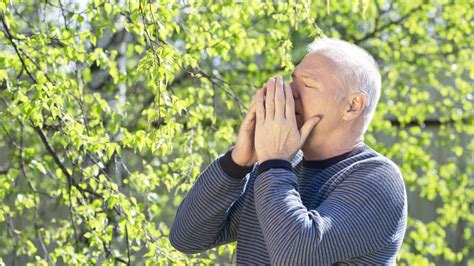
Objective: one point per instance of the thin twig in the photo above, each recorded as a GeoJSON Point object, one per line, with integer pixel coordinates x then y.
{"type": "Point", "coordinates": [10, 38]}
{"type": "Point", "coordinates": [128, 244]}
{"type": "Point", "coordinates": [64, 15]}
{"type": "Point", "coordinates": [386, 25]}
{"type": "Point", "coordinates": [11, 232]}
{"type": "Point", "coordinates": [43, 246]}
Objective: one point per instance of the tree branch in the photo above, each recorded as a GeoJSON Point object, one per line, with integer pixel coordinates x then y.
{"type": "Point", "coordinates": [40, 132]}
{"type": "Point", "coordinates": [128, 244]}
{"type": "Point", "coordinates": [386, 25]}
{"type": "Point", "coordinates": [66, 24]}
{"type": "Point", "coordinates": [108, 253]}
{"type": "Point", "coordinates": [11, 232]}
{"type": "Point", "coordinates": [43, 246]}
{"type": "Point", "coordinates": [10, 38]}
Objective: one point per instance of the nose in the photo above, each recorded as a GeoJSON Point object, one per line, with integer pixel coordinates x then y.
{"type": "Point", "coordinates": [294, 89]}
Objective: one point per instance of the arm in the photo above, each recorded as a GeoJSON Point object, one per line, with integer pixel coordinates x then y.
{"type": "Point", "coordinates": [209, 214]}
{"type": "Point", "coordinates": [360, 216]}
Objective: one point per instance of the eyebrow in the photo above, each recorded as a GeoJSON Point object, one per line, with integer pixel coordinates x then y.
{"type": "Point", "coordinates": [305, 76]}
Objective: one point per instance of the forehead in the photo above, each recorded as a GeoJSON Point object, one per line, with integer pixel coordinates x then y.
{"type": "Point", "coordinates": [315, 65]}
{"type": "Point", "coordinates": [318, 67]}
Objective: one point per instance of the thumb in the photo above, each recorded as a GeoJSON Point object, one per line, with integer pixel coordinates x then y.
{"type": "Point", "coordinates": [308, 127]}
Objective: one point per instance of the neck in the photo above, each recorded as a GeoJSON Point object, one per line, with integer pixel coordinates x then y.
{"type": "Point", "coordinates": [330, 147]}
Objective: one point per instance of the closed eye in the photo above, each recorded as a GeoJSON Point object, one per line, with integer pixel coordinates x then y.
{"type": "Point", "coordinates": [313, 87]}
{"type": "Point", "coordinates": [293, 76]}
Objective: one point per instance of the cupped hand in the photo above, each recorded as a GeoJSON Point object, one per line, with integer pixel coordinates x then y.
{"type": "Point", "coordinates": [244, 153]}
{"type": "Point", "coordinates": [276, 131]}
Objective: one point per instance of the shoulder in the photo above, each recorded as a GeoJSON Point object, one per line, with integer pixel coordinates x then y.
{"type": "Point", "coordinates": [373, 166]}
{"type": "Point", "coordinates": [375, 184]}
{"type": "Point", "coordinates": [381, 184]}
{"type": "Point", "coordinates": [378, 178]}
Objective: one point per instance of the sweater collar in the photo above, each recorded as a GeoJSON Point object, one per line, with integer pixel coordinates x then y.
{"type": "Point", "coordinates": [323, 164]}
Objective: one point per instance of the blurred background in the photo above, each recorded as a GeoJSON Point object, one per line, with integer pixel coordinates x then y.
{"type": "Point", "coordinates": [109, 110]}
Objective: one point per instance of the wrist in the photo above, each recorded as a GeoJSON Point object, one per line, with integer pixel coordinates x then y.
{"type": "Point", "coordinates": [274, 163]}
{"type": "Point", "coordinates": [239, 162]}
{"type": "Point", "coordinates": [269, 158]}
{"type": "Point", "coordinates": [231, 168]}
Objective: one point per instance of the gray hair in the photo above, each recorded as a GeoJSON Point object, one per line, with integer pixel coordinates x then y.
{"type": "Point", "coordinates": [358, 69]}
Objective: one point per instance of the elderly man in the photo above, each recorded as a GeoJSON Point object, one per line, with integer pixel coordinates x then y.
{"type": "Point", "coordinates": [300, 187]}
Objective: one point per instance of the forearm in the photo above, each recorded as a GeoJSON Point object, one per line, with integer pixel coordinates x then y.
{"type": "Point", "coordinates": [291, 232]}
{"type": "Point", "coordinates": [203, 218]}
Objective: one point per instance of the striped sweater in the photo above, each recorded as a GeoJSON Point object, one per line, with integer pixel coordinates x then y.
{"type": "Point", "coordinates": [348, 209]}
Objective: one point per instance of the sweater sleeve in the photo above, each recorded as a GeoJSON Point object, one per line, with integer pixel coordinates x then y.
{"type": "Point", "coordinates": [361, 215]}
{"type": "Point", "coordinates": [209, 214]}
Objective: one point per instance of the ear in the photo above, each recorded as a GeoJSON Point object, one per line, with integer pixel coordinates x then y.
{"type": "Point", "coordinates": [355, 106]}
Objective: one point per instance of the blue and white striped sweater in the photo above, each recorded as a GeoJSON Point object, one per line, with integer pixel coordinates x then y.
{"type": "Point", "coordinates": [353, 211]}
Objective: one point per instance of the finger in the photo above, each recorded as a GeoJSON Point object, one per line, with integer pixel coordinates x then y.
{"type": "Point", "coordinates": [251, 112]}
{"type": "Point", "coordinates": [259, 108]}
{"type": "Point", "coordinates": [290, 104]}
{"type": "Point", "coordinates": [279, 98]}
{"type": "Point", "coordinates": [253, 103]}
{"type": "Point", "coordinates": [249, 121]}
{"type": "Point", "coordinates": [270, 100]}
{"type": "Point", "coordinates": [307, 128]}
{"type": "Point", "coordinates": [253, 108]}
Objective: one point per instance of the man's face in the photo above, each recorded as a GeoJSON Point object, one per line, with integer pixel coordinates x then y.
{"type": "Point", "coordinates": [315, 84]}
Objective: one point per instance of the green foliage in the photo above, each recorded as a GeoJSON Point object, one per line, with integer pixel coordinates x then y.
{"type": "Point", "coordinates": [109, 111]}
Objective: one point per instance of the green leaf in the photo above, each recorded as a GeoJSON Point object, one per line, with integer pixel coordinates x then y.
{"type": "Point", "coordinates": [93, 39]}
{"type": "Point", "coordinates": [108, 8]}
{"type": "Point", "coordinates": [3, 75]}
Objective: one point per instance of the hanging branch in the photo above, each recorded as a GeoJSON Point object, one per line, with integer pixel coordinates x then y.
{"type": "Point", "coordinates": [39, 130]}
{"type": "Point", "coordinates": [128, 244]}
{"type": "Point", "coordinates": [10, 38]}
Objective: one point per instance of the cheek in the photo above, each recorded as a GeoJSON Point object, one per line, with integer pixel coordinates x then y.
{"type": "Point", "coordinates": [322, 102]}
{"type": "Point", "coordinates": [318, 105]}
{"type": "Point", "coordinates": [299, 121]}
{"type": "Point", "coordinates": [313, 106]}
